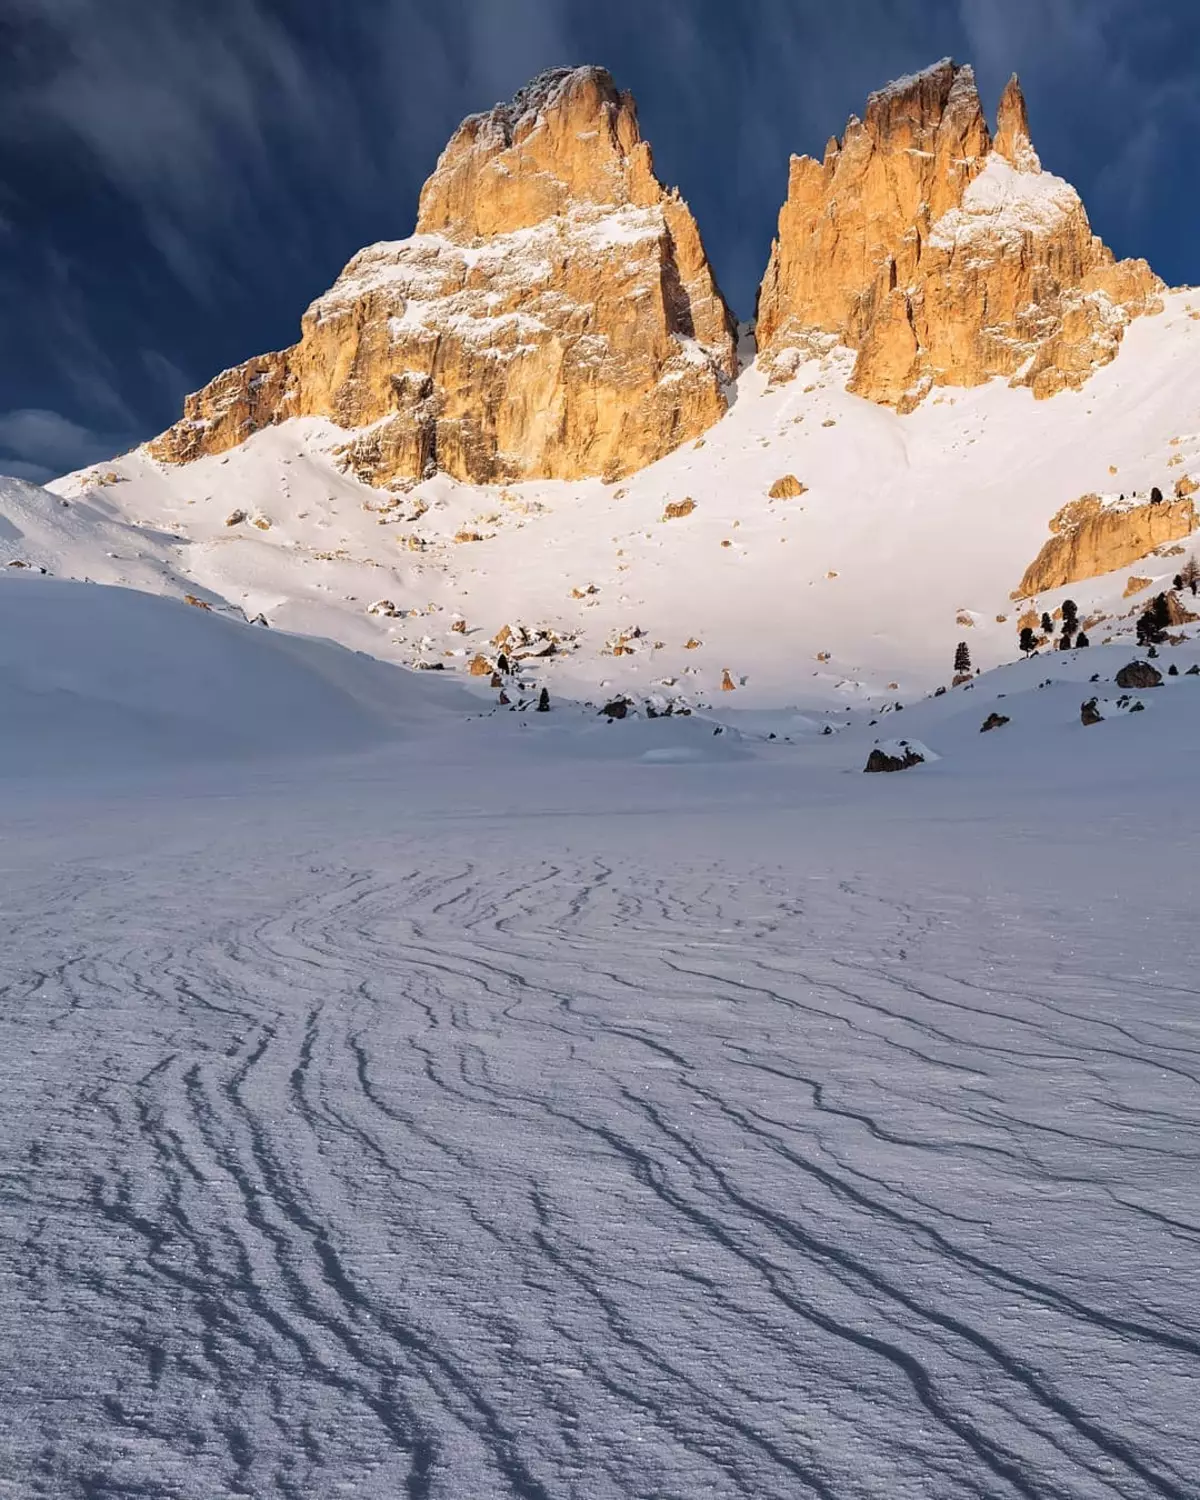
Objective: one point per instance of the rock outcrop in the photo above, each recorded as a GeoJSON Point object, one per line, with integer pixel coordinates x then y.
{"type": "Point", "coordinates": [554, 316]}
{"type": "Point", "coordinates": [942, 256]}
{"type": "Point", "coordinates": [1096, 535]}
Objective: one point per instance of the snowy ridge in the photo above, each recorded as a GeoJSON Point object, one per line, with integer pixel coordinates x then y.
{"type": "Point", "coordinates": [1006, 204]}
{"type": "Point", "coordinates": [906, 524]}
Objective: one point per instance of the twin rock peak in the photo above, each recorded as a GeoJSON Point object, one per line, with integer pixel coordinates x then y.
{"type": "Point", "coordinates": [555, 315]}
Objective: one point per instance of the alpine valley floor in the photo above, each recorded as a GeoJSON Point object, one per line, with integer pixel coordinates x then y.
{"type": "Point", "coordinates": [540, 1107]}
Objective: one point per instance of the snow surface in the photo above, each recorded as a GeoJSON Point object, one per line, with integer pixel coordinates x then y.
{"type": "Point", "coordinates": [1005, 204]}
{"type": "Point", "coordinates": [511, 1111]}
{"type": "Point", "coordinates": [404, 1096]}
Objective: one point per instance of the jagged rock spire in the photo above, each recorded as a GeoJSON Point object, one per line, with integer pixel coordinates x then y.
{"type": "Point", "coordinates": [940, 258]}
{"type": "Point", "coordinates": [1012, 129]}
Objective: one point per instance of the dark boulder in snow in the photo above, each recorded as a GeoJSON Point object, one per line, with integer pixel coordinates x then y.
{"type": "Point", "coordinates": [881, 761]}
{"type": "Point", "coordinates": [994, 721]}
{"type": "Point", "coordinates": [1139, 674]}
{"type": "Point", "coordinates": [1089, 712]}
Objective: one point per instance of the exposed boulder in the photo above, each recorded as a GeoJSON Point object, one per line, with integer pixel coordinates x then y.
{"type": "Point", "coordinates": [677, 509]}
{"type": "Point", "coordinates": [1089, 712]}
{"type": "Point", "coordinates": [788, 488]}
{"type": "Point", "coordinates": [994, 721]}
{"type": "Point", "coordinates": [880, 760]}
{"type": "Point", "coordinates": [942, 257]}
{"type": "Point", "coordinates": [1139, 674]}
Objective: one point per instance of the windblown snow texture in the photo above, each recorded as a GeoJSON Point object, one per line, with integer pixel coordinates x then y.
{"type": "Point", "coordinates": [359, 1144]}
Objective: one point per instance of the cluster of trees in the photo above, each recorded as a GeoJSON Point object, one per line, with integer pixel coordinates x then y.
{"type": "Point", "coordinates": [1153, 625]}
{"type": "Point", "coordinates": [1073, 638]}
{"type": "Point", "coordinates": [1188, 576]}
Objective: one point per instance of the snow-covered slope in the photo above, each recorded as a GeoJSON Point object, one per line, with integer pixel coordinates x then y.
{"type": "Point", "coordinates": [102, 679]}
{"type": "Point", "coordinates": [909, 528]}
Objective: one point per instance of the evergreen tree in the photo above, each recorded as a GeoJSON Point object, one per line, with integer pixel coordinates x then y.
{"type": "Point", "coordinates": [1190, 575]}
{"type": "Point", "coordinates": [1070, 616]}
{"type": "Point", "coordinates": [543, 706]}
{"type": "Point", "coordinates": [962, 658]}
{"type": "Point", "coordinates": [1177, 581]}
{"type": "Point", "coordinates": [1047, 624]}
{"type": "Point", "coordinates": [1156, 496]}
{"type": "Point", "coordinates": [1065, 643]}
{"type": "Point", "coordinates": [1162, 612]}
{"type": "Point", "coordinates": [1028, 641]}
{"type": "Point", "coordinates": [1082, 643]}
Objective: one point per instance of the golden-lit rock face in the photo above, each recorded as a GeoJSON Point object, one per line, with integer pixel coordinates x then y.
{"type": "Point", "coordinates": [554, 316]}
{"type": "Point", "coordinates": [1091, 537]}
{"type": "Point", "coordinates": [942, 257]}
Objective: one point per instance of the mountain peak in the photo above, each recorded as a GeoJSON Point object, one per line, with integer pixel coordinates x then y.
{"type": "Point", "coordinates": [569, 137]}
{"type": "Point", "coordinates": [940, 257]}
{"type": "Point", "coordinates": [554, 316]}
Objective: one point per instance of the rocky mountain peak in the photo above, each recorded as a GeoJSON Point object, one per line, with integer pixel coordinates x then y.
{"type": "Point", "coordinates": [940, 257]}
{"type": "Point", "coordinates": [570, 137]}
{"type": "Point", "coordinates": [554, 316]}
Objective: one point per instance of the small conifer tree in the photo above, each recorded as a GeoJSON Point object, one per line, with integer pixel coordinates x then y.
{"type": "Point", "coordinates": [1070, 616]}
{"type": "Point", "coordinates": [1082, 643]}
{"type": "Point", "coordinates": [1028, 640]}
{"type": "Point", "coordinates": [543, 706]}
{"type": "Point", "coordinates": [1047, 624]}
{"type": "Point", "coordinates": [962, 658]}
{"type": "Point", "coordinates": [1156, 496]}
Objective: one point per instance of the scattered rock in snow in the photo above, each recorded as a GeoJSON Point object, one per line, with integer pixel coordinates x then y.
{"type": "Point", "coordinates": [1135, 585]}
{"type": "Point", "coordinates": [677, 509]}
{"type": "Point", "coordinates": [1089, 712]}
{"type": "Point", "coordinates": [788, 488]}
{"type": "Point", "coordinates": [727, 683]}
{"type": "Point", "coordinates": [617, 709]}
{"type": "Point", "coordinates": [235, 518]}
{"type": "Point", "coordinates": [994, 721]}
{"type": "Point", "coordinates": [1139, 674]}
{"type": "Point", "coordinates": [905, 759]}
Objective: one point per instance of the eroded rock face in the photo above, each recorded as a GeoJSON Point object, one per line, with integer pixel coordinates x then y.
{"type": "Point", "coordinates": [554, 316]}
{"type": "Point", "coordinates": [1094, 535]}
{"type": "Point", "coordinates": [941, 256]}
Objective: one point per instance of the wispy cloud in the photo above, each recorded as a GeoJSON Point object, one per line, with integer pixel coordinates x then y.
{"type": "Point", "coordinates": [45, 443]}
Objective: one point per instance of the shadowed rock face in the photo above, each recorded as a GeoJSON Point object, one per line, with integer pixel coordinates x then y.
{"type": "Point", "coordinates": [554, 316]}
{"type": "Point", "coordinates": [942, 257]}
{"type": "Point", "coordinates": [1091, 537]}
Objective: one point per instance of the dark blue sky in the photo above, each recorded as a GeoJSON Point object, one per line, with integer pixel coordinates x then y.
{"type": "Point", "coordinates": [178, 178]}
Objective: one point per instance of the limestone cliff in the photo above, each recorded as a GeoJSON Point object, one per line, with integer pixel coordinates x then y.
{"type": "Point", "coordinates": [554, 316]}
{"type": "Point", "coordinates": [941, 256]}
{"type": "Point", "coordinates": [1093, 536]}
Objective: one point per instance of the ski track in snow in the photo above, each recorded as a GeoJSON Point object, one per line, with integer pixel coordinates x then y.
{"type": "Point", "coordinates": [454, 1175]}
